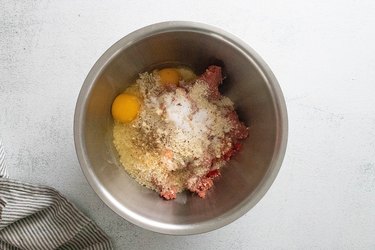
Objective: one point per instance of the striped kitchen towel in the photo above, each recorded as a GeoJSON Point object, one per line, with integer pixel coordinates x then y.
{"type": "Point", "coordinates": [39, 217]}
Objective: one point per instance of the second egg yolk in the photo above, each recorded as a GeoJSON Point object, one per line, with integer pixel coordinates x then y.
{"type": "Point", "coordinates": [125, 108]}
{"type": "Point", "coordinates": [169, 76]}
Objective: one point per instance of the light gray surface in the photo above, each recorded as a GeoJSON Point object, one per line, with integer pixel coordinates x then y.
{"type": "Point", "coordinates": [322, 55]}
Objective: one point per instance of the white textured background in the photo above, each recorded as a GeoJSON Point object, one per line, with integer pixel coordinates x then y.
{"type": "Point", "coordinates": [323, 54]}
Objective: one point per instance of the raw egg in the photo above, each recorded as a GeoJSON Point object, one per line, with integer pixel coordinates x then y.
{"type": "Point", "coordinates": [125, 108]}
{"type": "Point", "coordinates": [169, 76]}
{"type": "Point", "coordinates": [187, 74]}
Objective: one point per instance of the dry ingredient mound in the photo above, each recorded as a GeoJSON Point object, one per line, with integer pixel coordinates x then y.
{"type": "Point", "coordinates": [182, 136]}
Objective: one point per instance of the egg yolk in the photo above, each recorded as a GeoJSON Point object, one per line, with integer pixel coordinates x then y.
{"type": "Point", "coordinates": [125, 108]}
{"type": "Point", "coordinates": [169, 76]}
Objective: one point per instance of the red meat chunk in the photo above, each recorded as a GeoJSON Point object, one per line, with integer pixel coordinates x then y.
{"type": "Point", "coordinates": [239, 131]}
{"type": "Point", "coordinates": [168, 194]}
{"type": "Point", "coordinates": [212, 76]}
{"type": "Point", "coordinates": [201, 187]}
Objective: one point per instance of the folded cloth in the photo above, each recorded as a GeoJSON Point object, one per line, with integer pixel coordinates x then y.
{"type": "Point", "coordinates": [39, 217]}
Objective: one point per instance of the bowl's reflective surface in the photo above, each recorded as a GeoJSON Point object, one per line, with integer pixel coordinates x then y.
{"type": "Point", "coordinates": [249, 83]}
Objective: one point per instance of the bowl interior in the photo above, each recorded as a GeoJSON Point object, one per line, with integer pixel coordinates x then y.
{"type": "Point", "coordinates": [246, 83]}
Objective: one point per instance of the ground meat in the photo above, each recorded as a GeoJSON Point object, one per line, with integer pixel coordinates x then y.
{"type": "Point", "coordinates": [213, 173]}
{"type": "Point", "coordinates": [212, 76]}
{"type": "Point", "coordinates": [168, 194]}
{"type": "Point", "coordinates": [239, 131]}
{"type": "Point", "coordinates": [201, 186]}
{"type": "Point", "coordinates": [232, 151]}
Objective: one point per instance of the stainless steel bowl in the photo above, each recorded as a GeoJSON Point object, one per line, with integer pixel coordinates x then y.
{"type": "Point", "coordinates": [249, 83]}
